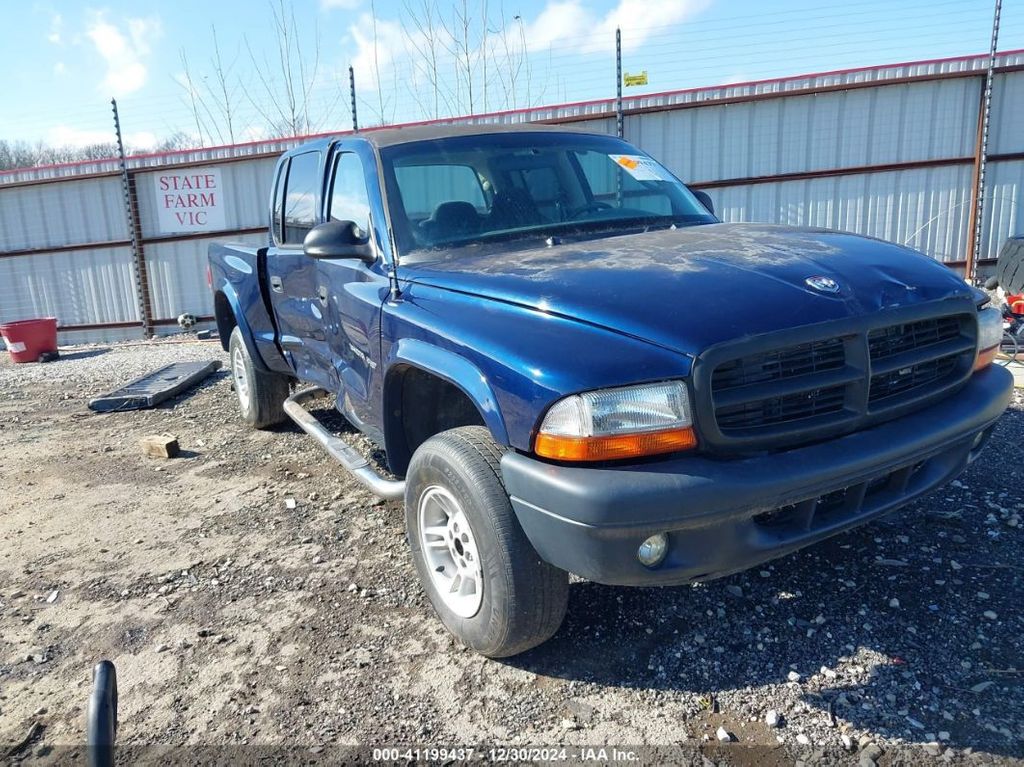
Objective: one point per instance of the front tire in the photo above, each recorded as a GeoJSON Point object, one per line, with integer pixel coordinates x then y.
{"type": "Point", "coordinates": [261, 394]}
{"type": "Point", "coordinates": [485, 581]}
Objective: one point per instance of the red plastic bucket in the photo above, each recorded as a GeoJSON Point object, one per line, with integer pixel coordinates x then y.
{"type": "Point", "coordinates": [27, 339]}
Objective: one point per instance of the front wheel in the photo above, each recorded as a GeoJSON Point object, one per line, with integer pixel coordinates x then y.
{"type": "Point", "coordinates": [261, 394]}
{"type": "Point", "coordinates": [486, 582]}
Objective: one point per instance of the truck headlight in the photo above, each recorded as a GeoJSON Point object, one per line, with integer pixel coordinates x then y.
{"type": "Point", "coordinates": [626, 422]}
{"type": "Point", "coordinates": [990, 335]}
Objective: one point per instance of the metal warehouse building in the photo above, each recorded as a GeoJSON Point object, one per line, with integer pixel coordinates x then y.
{"type": "Point", "coordinates": [890, 151]}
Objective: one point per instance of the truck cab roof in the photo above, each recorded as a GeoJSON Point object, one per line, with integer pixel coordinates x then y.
{"type": "Point", "coordinates": [385, 137]}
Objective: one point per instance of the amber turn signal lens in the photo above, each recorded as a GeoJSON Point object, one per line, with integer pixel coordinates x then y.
{"type": "Point", "coordinates": [986, 357]}
{"type": "Point", "coordinates": [611, 448]}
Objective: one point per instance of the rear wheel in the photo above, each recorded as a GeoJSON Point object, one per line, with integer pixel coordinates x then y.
{"type": "Point", "coordinates": [261, 394]}
{"type": "Point", "coordinates": [486, 582]}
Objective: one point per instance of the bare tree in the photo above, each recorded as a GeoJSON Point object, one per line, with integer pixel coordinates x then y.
{"type": "Point", "coordinates": [464, 57]}
{"type": "Point", "coordinates": [192, 95]}
{"type": "Point", "coordinates": [286, 84]}
{"type": "Point", "coordinates": [212, 99]}
{"type": "Point", "coordinates": [225, 87]}
{"type": "Point", "coordinates": [460, 44]}
{"type": "Point", "coordinates": [422, 32]}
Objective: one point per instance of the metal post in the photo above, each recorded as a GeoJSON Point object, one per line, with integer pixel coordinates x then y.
{"type": "Point", "coordinates": [978, 206]}
{"type": "Point", "coordinates": [131, 212]}
{"type": "Point", "coordinates": [618, 83]}
{"type": "Point", "coordinates": [352, 92]}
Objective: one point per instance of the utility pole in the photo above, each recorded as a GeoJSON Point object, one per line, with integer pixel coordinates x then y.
{"type": "Point", "coordinates": [618, 83]}
{"type": "Point", "coordinates": [131, 210]}
{"type": "Point", "coordinates": [352, 93]}
{"type": "Point", "coordinates": [981, 156]}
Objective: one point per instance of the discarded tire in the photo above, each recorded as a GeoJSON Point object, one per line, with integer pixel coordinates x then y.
{"type": "Point", "coordinates": [1010, 267]}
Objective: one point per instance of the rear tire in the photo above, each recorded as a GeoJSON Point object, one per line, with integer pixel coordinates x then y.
{"type": "Point", "coordinates": [462, 529]}
{"type": "Point", "coordinates": [261, 394]}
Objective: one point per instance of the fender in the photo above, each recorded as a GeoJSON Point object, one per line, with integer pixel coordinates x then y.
{"type": "Point", "coordinates": [228, 291]}
{"type": "Point", "coordinates": [457, 371]}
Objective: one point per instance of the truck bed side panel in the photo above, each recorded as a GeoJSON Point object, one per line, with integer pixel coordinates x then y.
{"type": "Point", "coordinates": [239, 273]}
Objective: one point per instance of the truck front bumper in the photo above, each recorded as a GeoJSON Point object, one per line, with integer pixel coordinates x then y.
{"type": "Point", "coordinates": [726, 515]}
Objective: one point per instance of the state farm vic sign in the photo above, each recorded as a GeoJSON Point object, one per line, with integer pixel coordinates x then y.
{"type": "Point", "coordinates": [190, 201]}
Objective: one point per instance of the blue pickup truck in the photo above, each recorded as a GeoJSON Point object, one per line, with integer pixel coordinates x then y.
{"type": "Point", "coordinates": [573, 367]}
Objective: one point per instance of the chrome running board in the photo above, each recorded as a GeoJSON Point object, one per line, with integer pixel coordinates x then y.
{"type": "Point", "coordinates": [339, 449]}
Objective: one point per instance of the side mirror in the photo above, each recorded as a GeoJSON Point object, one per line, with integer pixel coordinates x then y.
{"type": "Point", "coordinates": [338, 239]}
{"type": "Point", "coordinates": [705, 200]}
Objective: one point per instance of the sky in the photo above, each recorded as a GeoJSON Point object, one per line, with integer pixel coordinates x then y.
{"type": "Point", "coordinates": [69, 58]}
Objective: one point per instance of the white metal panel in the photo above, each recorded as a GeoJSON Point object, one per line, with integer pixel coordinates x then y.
{"type": "Point", "coordinates": [1004, 205]}
{"type": "Point", "coordinates": [245, 194]}
{"type": "Point", "coordinates": [100, 336]}
{"type": "Point", "coordinates": [925, 209]}
{"type": "Point", "coordinates": [83, 287]}
{"type": "Point", "coordinates": [177, 275]}
{"type": "Point", "coordinates": [1006, 126]}
{"type": "Point", "coordinates": [872, 126]}
{"type": "Point", "coordinates": [68, 213]}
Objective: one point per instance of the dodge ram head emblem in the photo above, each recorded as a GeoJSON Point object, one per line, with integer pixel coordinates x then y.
{"type": "Point", "coordinates": [823, 284]}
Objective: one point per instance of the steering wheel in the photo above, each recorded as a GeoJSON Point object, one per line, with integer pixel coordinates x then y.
{"type": "Point", "coordinates": [589, 207]}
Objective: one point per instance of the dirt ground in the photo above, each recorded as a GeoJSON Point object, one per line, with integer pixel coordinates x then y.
{"type": "Point", "coordinates": [235, 619]}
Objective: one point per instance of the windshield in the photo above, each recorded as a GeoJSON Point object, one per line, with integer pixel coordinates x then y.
{"type": "Point", "coordinates": [464, 190]}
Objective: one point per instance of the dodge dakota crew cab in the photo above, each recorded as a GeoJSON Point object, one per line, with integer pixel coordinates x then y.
{"type": "Point", "coordinates": [574, 367]}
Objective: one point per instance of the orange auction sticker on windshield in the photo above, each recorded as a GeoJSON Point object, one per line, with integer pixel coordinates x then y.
{"type": "Point", "coordinates": [641, 168]}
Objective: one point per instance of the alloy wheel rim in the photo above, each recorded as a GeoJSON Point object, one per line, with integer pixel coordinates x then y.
{"type": "Point", "coordinates": [241, 377]}
{"type": "Point", "coordinates": [450, 551]}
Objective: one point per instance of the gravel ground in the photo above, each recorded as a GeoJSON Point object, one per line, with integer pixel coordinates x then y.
{"type": "Point", "coordinates": [236, 619]}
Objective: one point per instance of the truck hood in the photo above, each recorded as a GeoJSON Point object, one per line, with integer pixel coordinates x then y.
{"type": "Point", "coordinates": [689, 288]}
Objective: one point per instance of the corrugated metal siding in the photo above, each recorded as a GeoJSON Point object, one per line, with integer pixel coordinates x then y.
{"type": "Point", "coordinates": [51, 215]}
{"type": "Point", "coordinates": [246, 189]}
{"type": "Point", "coordinates": [1004, 205]}
{"type": "Point", "coordinates": [876, 126]}
{"type": "Point", "coordinates": [923, 208]}
{"type": "Point", "coordinates": [99, 336]}
{"type": "Point", "coordinates": [1006, 121]}
{"type": "Point", "coordinates": [84, 287]}
{"type": "Point", "coordinates": [177, 275]}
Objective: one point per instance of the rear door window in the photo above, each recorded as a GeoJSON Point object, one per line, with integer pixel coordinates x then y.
{"type": "Point", "coordinates": [349, 199]}
{"type": "Point", "coordinates": [300, 201]}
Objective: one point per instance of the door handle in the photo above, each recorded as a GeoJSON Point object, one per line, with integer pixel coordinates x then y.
{"type": "Point", "coordinates": [276, 284]}
{"type": "Point", "coordinates": [322, 295]}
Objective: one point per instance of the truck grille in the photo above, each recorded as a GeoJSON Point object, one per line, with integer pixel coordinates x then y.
{"type": "Point", "coordinates": [798, 392]}
{"type": "Point", "coordinates": [789, 407]}
{"type": "Point", "coordinates": [776, 365]}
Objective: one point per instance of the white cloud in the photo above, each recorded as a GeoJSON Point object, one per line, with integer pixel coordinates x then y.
{"type": "Point", "coordinates": [390, 46]}
{"type": "Point", "coordinates": [569, 25]}
{"type": "Point", "coordinates": [59, 68]}
{"type": "Point", "coordinates": [65, 135]}
{"type": "Point", "coordinates": [564, 26]}
{"type": "Point", "coordinates": [347, 5]}
{"type": "Point", "coordinates": [56, 29]}
{"type": "Point", "coordinates": [124, 50]}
